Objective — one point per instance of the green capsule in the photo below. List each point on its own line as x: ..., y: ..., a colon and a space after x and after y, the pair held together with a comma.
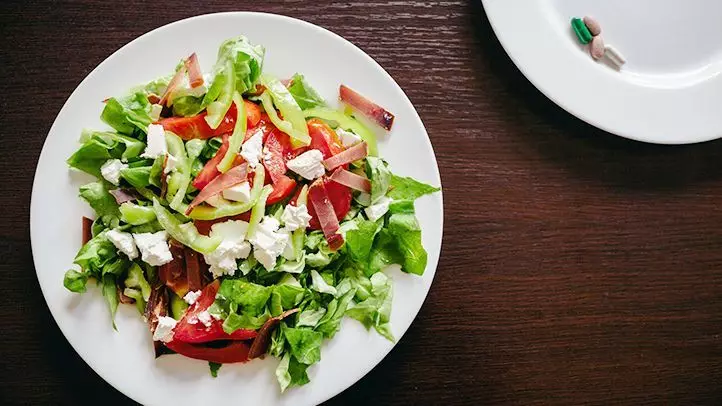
x: 581, y: 30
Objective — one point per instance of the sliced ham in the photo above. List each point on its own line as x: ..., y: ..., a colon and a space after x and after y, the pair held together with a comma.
x: 263, y: 339
x: 195, y: 76
x: 87, y: 229
x: 358, y: 151
x: 175, y: 82
x: 325, y: 213
x: 237, y: 174
x: 378, y: 114
x: 351, y: 180
x: 122, y: 195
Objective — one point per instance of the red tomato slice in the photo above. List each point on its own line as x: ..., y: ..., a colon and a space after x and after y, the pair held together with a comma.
x: 323, y: 138
x: 189, y: 128
x: 210, y: 170
x: 278, y: 150
x: 191, y: 330
x: 281, y: 190
x: 340, y: 197
x: 236, y: 351
x: 253, y: 113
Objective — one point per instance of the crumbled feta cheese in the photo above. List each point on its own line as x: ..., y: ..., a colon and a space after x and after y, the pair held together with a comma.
x: 223, y: 260
x: 267, y: 155
x: 156, y: 142
x: 111, y: 170
x: 348, y: 138
x: 378, y: 209
x: 309, y: 164
x: 238, y: 193
x: 123, y: 242
x: 191, y: 297
x: 205, y: 318
x: 171, y: 164
x: 268, y: 243
x: 295, y: 217
x: 251, y: 149
x: 164, y: 330
x: 154, y: 248
x: 155, y: 110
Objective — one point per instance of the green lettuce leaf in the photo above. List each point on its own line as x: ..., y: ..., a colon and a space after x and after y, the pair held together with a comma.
x: 110, y: 293
x: 380, y: 176
x: 330, y: 323
x: 138, y: 177
x: 305, y: 95
x: 100, y: 199
x: 98, y: 147
x: 320, y: 285
x: 250, y: 298
x: 290, y: 372
x: 404, y: 188
x: 127, y: 114
x: 75, y: 281
x: 187, y: 106
x: 305, y: 344
x: 96, y: 254
x: 236, y: 321
x: 359, y: 241
x: 407, y: 232
x: 310, y: 317
x: 214, y: 367
x: 375, y: 311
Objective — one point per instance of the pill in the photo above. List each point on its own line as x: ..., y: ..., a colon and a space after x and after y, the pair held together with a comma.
x: 581, y: 30
x: 614, y: 56
x: 596, y: 48
x: 592, y: 25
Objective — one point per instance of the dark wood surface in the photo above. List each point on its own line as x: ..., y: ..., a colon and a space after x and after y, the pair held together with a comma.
x: 577, y: 267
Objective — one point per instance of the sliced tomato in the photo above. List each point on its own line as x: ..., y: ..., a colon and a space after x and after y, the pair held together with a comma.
x: 323, y: 138
x: 204, y: 226
x: 340, y: 197
x: 210, y: 170
x: 281, y: 190
x: 191, y: 330
x: 234, y: 352
x: 196, y: 126
x: 278, y: 150
x: 253, y: 113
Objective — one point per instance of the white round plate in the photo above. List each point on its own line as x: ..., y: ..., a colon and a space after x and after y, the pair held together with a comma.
x: 670, y: 90
x: 124, y: 358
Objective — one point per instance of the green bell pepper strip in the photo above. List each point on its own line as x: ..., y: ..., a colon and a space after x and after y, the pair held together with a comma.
x: 179, y: 179
x: 299, y: 234
x: 239, y: 133
x: 185, y: 233
x: 258, y: 211
x: 232, y: 209
x: 220, y: 95
x: 293, y: 122
x: 136, y: 215
x: 347, y: 123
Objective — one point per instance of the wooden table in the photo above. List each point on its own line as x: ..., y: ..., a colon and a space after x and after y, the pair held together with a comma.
x: 577, y: 267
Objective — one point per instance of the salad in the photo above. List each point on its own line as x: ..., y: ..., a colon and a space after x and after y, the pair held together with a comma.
x: 243, y: 216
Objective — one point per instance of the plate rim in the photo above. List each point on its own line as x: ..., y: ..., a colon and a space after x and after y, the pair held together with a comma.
x: 117, y: 54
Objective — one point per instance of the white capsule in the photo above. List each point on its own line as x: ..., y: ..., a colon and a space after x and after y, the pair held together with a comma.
x: 614, y: 56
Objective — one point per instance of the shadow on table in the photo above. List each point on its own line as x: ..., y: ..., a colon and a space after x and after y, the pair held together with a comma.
x: 581, y: 147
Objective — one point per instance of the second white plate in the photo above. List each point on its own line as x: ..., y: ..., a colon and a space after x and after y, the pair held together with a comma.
x: 670, y: 90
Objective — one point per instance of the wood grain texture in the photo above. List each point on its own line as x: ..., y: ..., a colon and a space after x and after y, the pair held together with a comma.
x: 577, y: 267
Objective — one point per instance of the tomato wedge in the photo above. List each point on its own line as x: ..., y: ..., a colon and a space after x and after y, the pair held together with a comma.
x: 323, y: 138
x: 278, y: 150
x: 210, y: 170
x: 340, y: 197
x: 191, y: 330
x: 236, y: 351
x: 281, y: 190
x: 196, y: 126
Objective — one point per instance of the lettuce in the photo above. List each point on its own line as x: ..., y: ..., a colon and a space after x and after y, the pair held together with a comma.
x: 75, y: 281
x: 403, y: 188
x: 304, y: 343
x: 330, y: 323
x: 99, y: 146
x: 129, y: 113
x: 305, y: 95
x: 290, y: 372
x: 407, y: 233
x: 375, y: 311
x: 380, y: 176
x: 110, y: 293
x: 293, y: 122
x: 187, y: 106
x: 137, y: 177
x: 98, y: 197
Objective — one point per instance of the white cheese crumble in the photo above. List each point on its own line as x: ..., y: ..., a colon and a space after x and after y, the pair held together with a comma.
x: 154, y: 249
x: 155, y: 111
x: 217, y: 201
x: 309, y: 164
x: 378, y: 209
x: 164, y: 330
x: 123, y: 242
x: 268, y: 243
x: 223, y: 261
x: 251, y: 149
x: 295, y: 217
x: 171, y: 164
x: 156, y: 142
x: 111, y: 170
x: 348, y: 138
x: 238, y: 193
x: 205, y: 318
x: 191, y: 297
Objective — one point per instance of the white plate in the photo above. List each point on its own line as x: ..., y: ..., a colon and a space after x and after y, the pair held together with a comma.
x: 670, y: 90
x: 125, y: 358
